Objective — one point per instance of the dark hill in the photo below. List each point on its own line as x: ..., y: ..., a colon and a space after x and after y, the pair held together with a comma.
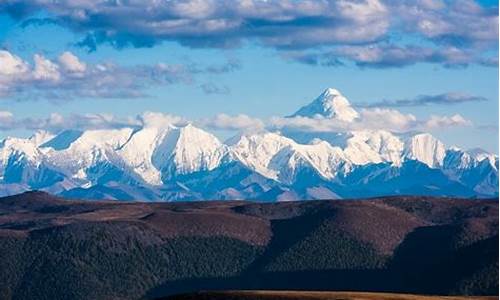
x: 53, y: 248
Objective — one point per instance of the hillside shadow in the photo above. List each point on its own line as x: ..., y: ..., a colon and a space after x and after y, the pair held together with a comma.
x: 426, y: 262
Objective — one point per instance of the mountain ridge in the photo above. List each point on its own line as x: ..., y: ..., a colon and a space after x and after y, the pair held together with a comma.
x: 164, y: 162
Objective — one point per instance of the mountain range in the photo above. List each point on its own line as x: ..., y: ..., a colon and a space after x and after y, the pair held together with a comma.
x: 172, y: 163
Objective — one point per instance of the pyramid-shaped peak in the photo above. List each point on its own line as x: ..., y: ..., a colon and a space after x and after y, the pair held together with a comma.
x: 330, y: 104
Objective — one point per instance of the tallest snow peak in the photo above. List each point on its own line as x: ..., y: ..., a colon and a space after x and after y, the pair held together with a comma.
x: 330, y: 104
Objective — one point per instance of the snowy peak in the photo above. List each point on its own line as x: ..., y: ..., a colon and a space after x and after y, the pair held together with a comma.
x: 163, y: 161
x: 481, y: 154
x: 22, y: 148
x: 425, y: 148
x: 138, y: 152
x: 189, y: 149
x: 457, y: 159
x: 330, y: 104
x: 280, y: 158
x: 374, y: 146
x: 256, y: 151
x: 158, y: 153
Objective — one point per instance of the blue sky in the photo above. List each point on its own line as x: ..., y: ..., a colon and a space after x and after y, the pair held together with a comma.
x: 269, y: 70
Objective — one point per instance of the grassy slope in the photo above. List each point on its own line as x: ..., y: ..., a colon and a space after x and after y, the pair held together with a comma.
x: 56, y: 249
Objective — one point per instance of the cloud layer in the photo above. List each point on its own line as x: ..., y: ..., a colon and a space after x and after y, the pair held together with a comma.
x: 370, y: 33
x: 394, y: 121
x: 67, y: 77
x: 214, y: 23
x: 370, y: 119
x: 446, y: 99
x: 56, y: 122
x: 393, y: 56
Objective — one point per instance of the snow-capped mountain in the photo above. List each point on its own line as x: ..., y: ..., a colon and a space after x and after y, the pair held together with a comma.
x: 330, y: 104
x: 163, y: 162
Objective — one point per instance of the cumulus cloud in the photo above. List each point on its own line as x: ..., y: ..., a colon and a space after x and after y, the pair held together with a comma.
x: 71, y: 63
x: 436, y: 122
x: 446, y: 99
x: 68, y: 77
x: 457, y: 32
x: 157, y: 119
x: 389, y: 119
x: 239, y: 122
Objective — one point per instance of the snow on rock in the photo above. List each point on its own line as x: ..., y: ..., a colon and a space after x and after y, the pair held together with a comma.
x: 457, y: 159
x: 425, y: 148
x: 26, y: 148
x: 481, y: 154
x: 188, y: 149
x: 374, y: 146
x: 137, y: 152
x: 279, y: 158
x: 256, y: 151
x: 91, y: 147
x: 326, y: 160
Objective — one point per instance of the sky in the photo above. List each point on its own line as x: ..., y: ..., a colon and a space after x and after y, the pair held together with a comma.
x: 230, y: 66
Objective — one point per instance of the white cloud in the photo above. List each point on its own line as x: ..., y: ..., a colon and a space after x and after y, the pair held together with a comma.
x: 45, y: 70
x: 441, y: 122
x: 389, y: 119
x: 56, y: 122
x: 373, y: 118
x: 309, y: 124
x: 11, y: 65
x: 159, y: 120
x: 239, y: 122
x: 68, y: 77
x: 71, y: 63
